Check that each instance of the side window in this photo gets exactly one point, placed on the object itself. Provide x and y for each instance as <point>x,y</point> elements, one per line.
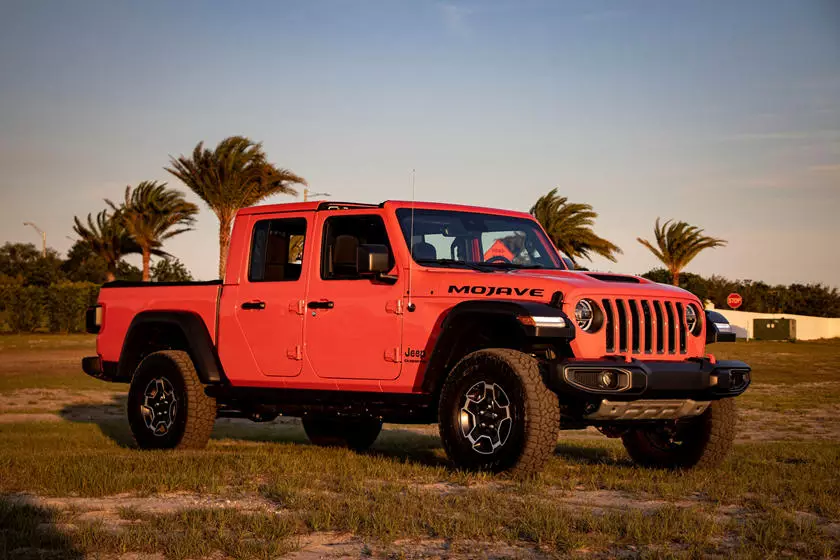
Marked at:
<point>277,250</point>
<point>342,237</point>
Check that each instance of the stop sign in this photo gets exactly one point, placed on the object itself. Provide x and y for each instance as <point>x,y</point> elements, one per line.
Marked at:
<point>734,300</point>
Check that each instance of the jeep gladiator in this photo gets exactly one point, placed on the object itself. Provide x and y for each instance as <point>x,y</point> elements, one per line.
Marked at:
<point>350,315</point>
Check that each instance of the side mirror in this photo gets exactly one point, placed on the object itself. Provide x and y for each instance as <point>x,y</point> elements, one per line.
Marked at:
<point>718,328</point>
<point>373,259</point>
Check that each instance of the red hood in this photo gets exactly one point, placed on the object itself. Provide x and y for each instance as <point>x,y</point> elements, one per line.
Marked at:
<point>573,284</point>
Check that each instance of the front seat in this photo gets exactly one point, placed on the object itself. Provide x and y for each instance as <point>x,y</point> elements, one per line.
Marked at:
<point>344,255</point>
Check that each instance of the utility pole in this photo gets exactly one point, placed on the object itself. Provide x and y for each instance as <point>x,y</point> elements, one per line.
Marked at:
<point>307,194</point>
<point>43,238</point>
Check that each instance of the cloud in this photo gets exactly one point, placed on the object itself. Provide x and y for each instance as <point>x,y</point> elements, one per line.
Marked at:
<point>455,18</point>
<point>784,136</point>
<point>830,169</point>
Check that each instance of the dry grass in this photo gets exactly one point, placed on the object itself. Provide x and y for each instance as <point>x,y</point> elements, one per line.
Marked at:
<point>76,487</point>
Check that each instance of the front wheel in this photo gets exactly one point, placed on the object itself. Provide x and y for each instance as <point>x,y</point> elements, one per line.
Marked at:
<point>496,414</point>
<point>167,407</point>
<point>700,442</point>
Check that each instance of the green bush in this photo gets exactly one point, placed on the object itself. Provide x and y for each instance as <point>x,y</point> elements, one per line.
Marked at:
<point>26,309</point>
<point>55,308</point>
<point>66,305</point>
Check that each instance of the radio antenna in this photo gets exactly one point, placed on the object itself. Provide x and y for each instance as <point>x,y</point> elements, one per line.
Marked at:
<point>411,306</point>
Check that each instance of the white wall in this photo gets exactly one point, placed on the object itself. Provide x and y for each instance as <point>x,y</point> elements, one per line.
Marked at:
<point>807,328</point>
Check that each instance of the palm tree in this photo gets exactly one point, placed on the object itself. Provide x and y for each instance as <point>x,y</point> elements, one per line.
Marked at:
<point>153,213</point>
<point>234,175</point>
<point>570,227</point>
<point>677,243</point>
<point>106,237</point>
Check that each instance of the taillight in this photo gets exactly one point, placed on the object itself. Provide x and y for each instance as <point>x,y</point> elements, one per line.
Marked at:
<point>93,319</point>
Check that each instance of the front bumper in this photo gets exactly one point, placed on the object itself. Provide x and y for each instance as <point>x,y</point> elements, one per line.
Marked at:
<point>700,380</point>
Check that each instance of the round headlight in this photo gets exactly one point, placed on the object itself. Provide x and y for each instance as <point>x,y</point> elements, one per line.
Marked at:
<point>585,315</point>
<point>691,320</point>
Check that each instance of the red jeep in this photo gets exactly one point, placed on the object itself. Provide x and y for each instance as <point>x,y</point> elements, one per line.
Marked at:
<point>351,315</point>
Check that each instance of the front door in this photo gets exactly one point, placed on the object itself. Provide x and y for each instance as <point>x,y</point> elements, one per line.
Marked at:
<point>353,322</point>
<point>269,307</point>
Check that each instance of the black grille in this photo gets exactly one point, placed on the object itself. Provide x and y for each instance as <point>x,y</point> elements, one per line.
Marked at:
<point>644,326</point>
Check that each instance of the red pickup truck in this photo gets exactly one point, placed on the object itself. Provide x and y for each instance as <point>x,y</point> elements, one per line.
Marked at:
<point>350,315</point>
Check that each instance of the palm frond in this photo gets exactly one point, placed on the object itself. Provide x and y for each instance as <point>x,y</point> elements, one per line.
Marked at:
<point>570,225</point>
<point>676,243</point>
<point>234,175</point>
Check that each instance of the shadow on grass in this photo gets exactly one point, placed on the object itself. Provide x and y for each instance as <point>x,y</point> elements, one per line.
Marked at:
<point>586,454</point>
<point>402,444</point>
<point>109,417</point>
<point>30,531</point>
<point>394,442</point>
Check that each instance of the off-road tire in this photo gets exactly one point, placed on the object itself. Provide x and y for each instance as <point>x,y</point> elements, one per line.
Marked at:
<point>705,441</point>
<point>357,434</point>
<point>196,412</point>
<point>533,408</point>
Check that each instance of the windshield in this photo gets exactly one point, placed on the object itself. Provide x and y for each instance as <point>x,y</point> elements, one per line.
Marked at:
<point>474,240</point>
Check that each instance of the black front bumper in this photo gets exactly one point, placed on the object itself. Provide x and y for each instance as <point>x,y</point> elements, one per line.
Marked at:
<point>697,379</point>
<point>106,371</point>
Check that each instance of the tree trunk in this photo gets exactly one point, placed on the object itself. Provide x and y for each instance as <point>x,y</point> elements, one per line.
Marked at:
<point>224,244</point>
<point>147,256</point>
<point>110,276</point>
<point>675,278</point>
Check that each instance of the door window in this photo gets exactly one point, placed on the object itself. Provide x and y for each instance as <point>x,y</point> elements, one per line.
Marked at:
<point>342,237</point>
<point>277,250</point>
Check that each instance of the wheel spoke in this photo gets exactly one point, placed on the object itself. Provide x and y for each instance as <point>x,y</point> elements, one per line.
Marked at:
<point>485,417</point>
<point>160,406</point>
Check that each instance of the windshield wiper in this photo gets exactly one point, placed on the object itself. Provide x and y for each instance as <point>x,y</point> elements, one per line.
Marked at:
<point>513,266</point>
<point>481,267</point>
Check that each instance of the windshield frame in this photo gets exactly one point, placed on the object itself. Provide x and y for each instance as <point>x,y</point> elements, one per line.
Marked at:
<point>551,252</point>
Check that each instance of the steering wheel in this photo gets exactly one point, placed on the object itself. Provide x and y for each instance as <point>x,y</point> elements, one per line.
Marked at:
<point>498,258</point>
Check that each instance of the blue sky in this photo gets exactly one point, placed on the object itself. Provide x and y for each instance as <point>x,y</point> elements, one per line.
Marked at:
<point>724,114</point>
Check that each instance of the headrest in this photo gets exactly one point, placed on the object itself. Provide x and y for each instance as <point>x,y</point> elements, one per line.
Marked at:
<point>423,251</point>
<point>346,247</point>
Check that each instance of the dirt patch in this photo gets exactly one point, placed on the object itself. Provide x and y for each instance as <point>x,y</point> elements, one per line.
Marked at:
<point>157,504</point>
<point>822,423</point>
<point>13,360</point>
<point>54,399</point>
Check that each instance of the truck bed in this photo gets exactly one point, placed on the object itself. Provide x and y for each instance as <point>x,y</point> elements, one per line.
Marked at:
<point>122,301</point>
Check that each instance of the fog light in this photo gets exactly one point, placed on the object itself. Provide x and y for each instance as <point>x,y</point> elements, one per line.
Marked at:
<point>607,380</point>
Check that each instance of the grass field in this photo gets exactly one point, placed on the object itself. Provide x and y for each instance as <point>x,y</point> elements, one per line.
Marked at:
<point>71,485</point>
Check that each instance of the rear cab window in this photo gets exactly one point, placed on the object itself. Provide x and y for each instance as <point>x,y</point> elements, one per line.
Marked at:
<point>277,250</point>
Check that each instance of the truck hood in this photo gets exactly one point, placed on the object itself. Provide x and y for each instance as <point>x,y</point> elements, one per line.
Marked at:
<point>541,284</point>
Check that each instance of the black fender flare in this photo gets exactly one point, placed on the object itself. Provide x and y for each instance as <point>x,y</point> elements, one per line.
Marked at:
<point>509,312</point>
<point>199,344</point>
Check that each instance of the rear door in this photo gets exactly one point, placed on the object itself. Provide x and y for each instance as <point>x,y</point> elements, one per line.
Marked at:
<point>269,306</point>
<point>353,323</point>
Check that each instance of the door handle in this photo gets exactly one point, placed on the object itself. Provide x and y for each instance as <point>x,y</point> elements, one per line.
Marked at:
<point>320,305</point>
<point>258,305</point>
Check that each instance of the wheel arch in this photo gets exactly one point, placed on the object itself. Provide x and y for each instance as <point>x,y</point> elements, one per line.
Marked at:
<point>476,324</point>
<point>151,331</point>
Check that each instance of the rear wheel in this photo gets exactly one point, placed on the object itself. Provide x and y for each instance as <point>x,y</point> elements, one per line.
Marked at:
<point>167,407</point>
<point>496,414</point>
<point>700,442</point>
<point>330,431</point>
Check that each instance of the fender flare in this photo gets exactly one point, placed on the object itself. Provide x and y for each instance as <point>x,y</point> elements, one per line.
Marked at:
<point>200,345</point>
<point>509,311</point>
